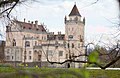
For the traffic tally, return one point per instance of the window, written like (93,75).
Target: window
(17,51)
(35,43)
(23,27)
(14,42)
(81,40)
(64,44)
(72,45)
(39,57)
(60,53)
(28,35)
(76,18)
(49,53)
(25,52)
(68,45)
(70,36)
(25,57)
(78,45)
(29,28)
(8,57)
(82,44)
(35,51)
(27,43)
(66,56)
(12,57)
(30,57)
(44,38)
(8,51)
(29,52)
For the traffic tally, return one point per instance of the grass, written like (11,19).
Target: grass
(8,72)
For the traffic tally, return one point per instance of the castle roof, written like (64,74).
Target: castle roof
(31,26)
(74,11)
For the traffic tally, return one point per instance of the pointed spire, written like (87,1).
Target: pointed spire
(65,19)
(74,11)
(84,20)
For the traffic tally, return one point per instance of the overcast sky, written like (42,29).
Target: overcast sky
(52,12)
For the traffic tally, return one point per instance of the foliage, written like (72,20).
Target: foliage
(93,57)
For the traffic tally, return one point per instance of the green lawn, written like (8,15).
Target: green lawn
(8,72)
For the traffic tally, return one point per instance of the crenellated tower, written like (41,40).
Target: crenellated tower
(74,33)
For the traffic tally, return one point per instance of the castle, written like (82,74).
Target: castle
(30,43)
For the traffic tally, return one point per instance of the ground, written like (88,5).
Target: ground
(10,72)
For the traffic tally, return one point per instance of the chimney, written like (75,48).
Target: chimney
(32,24)
(28,21)
(58,32)
(24,19)
(36,24)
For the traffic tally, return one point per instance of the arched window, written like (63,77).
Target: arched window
(14,42)
(27,43)
(76,18)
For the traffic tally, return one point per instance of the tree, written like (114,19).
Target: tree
(6,6)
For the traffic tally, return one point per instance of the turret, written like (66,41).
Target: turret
(65,19)
(84,20)
(74,16)
(74,34)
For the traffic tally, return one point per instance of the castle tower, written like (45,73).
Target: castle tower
(74,33)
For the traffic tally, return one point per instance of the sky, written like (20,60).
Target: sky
(100,17)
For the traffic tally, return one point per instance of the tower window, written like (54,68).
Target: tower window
(76,18)
(70,36)
(60,53)
(14,42)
